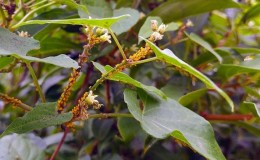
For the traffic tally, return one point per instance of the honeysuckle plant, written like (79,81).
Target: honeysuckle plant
(124,80)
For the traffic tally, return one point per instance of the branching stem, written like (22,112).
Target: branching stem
(144,61)
(35,81)
(110,115)
(118,44)
(2,14)
(31,13)
(104,76)
(60,144)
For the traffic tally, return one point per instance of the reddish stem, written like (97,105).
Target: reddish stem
(231,117)
(60,144)
(108,96)
(85,83)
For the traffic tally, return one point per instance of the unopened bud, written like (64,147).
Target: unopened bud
(100,31)
(154,25)
(106,37)
(189,23)
(156,36)
(23,34)
(162,28)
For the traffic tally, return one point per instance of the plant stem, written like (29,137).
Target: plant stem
(35,81)
(60,144)
(30,13)
(3,16)
(110,115)
(38,3)
(15,101)
(104,76)
(144,61)
(118,44)
(30,2)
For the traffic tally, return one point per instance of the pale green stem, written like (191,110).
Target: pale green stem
(109,115)
(144,61)
(19,9)
(38,3)
(31,13)
(110,73)
(118,44)
(3,16)
(104,76)
(30,2)
(35,81)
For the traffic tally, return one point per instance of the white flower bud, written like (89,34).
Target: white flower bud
(154,25)
(100,31)
(189,23)
(105,37)
(156,36)
(23,34)
(162,28)
(91,98)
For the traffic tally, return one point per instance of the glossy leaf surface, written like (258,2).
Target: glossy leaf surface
(173,10)
(161,118)
(105,22)
(169,57)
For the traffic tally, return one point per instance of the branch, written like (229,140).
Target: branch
(118,44)
(60,144)
(15,102)
(35,81)
(110,115)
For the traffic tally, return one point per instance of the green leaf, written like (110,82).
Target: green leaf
(60,60)
(192,97)
(162,118)
(105,22)
(251,13)
(5,61)
(252,92)
(97,9)
(133,104)
(122,77)
(9,40)
(204,44)
(125,24)
(229,70)
(43,115)
(145,31)
(22,147)
(240,50)
(54,46)
(14,44)
(249,107)
(73,4)
(185,8)
(168,57)
(128,128)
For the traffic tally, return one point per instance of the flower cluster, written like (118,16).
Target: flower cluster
(23,34)
(80,110)
(97,35)
(67,91)
(141,53)
(12,100)
(157,31)
(156,35)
